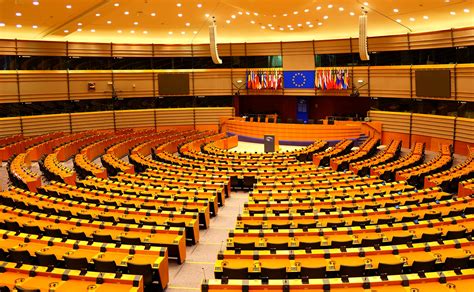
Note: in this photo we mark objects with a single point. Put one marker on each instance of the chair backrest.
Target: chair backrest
(76, 235)
(102, 238)
(401, 239)
(53, 232)
(390, 269)
(366, 242)
(141, 269)
(176, 224)
(244, 245)
(313, 272)
(105, 266)
(423, 266)
(337, 243)
(456, 263)
(352, 271)
(273, 272)
(235, 273)
(76, 263)
(130, 240)
(21, 289)
(46, 259)
(19, 256)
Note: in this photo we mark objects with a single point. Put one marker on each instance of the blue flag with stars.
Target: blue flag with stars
(299, 79)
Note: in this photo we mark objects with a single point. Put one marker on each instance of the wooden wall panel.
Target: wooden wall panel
(135, 119)
(429, 40)
(361, 73)
(387, 137)
(239, 49)
(172, 117)
(463, 36)
(89, 49)
(41, 48)
(203, 50)
(386, 43)
(43, 86)
(465, 130)
(132, 50)
(37, 125)
(333, 46)
(433, 126)
(390, 81)
(263, 49)
(7, 47)
(215, 82)
(173, 50)
(10, 126)
(223, 49)
(8, 87)
(78, 81)
(92, 120)
(239, 74)
(210, 116)
(297, 48)
(133, 83)
(299, 62)
(464, 82)
(392, 121)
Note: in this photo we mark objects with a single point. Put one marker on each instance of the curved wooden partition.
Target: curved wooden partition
(294, 133)
(433, 130)
(177, 118)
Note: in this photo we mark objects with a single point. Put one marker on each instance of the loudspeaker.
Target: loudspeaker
(213, 42)
(363, 50)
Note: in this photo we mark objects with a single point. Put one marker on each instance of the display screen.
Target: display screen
(173, 84)
(433, 83)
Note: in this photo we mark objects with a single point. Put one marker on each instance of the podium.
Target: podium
(270, 143)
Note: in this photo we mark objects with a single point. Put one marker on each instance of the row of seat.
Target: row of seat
(341, 148)
(367, 149)
(392, 152)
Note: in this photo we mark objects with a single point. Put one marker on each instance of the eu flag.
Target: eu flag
(298, 79)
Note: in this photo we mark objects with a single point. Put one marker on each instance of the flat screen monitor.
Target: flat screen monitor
(173, 84)
(433, 83)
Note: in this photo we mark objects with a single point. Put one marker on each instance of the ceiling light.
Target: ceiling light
(36, 3)
(452, 13)
(395, 10)
(398, 20)
(153, 14)
(233, 16)
(412, 19)
(252, 22)
(227, 21)
(195, 32)
(289, 25)
(19, 25)
(366, 3)
(351, 13)
(79, 23)
(180, 15)
(466, 10)
(126, 13)
(145, 32)
(66, 31)
(18, 14)
(300, 25)
(178, 4)
(306, 10)
(92, 30)
(426, 17)
(295, 12)
(341, 8)
(117, 5)
(170, 32)
(199, 5)
(97, 14)
(135, 23)
(119, 31)
(132, 31)
(206, 15)
(325, 17)
(320, 23)
(69, 6)
(79, 29)
(34, 26)
(2, 24)
(183, 33)
(263, 27)
(281, 28)
(188, 24)
(285, 15)
(272, 28)
(311, 25)
(308, 22)
(318, 8)
(240, 13)
(248, 13)
(330, 6)
(292, 28)
(109, 21)
(270, 25)
(255, 13)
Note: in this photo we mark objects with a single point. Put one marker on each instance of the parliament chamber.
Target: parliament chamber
(233, 145)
